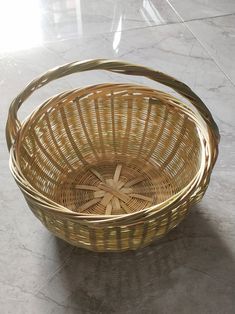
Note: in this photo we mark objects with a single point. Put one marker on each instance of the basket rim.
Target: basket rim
(26, 187)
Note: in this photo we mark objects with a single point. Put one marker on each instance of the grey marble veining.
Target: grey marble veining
(192, 270)
(198, 9)
(218, 37)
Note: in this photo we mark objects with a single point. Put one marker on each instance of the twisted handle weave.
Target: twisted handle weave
(13, 124)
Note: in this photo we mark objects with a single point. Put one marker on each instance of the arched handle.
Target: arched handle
(13, 124)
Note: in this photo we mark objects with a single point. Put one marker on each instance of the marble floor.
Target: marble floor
(192, 270)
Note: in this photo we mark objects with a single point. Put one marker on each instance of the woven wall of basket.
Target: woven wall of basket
(112, 167)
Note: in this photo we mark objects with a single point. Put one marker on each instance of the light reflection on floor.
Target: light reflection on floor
(29, 23)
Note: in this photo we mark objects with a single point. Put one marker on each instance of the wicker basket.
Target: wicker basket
(112, 167)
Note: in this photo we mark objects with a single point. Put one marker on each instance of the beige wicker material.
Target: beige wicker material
(112, 167)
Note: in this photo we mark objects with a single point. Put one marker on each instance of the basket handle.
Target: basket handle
(13, 124)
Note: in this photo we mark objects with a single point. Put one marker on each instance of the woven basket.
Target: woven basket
(112, 167)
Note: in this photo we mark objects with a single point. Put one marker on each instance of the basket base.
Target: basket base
(114, 188)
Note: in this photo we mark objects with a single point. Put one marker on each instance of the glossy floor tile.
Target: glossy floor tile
(30, 23)
(218, 38)
(198, 9)
(192, 270)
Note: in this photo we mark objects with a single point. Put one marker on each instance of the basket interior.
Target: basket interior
(110, 149)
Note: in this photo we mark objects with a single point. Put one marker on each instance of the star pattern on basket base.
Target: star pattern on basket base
(113, 194)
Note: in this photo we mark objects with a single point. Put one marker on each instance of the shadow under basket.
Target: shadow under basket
(112, 167)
